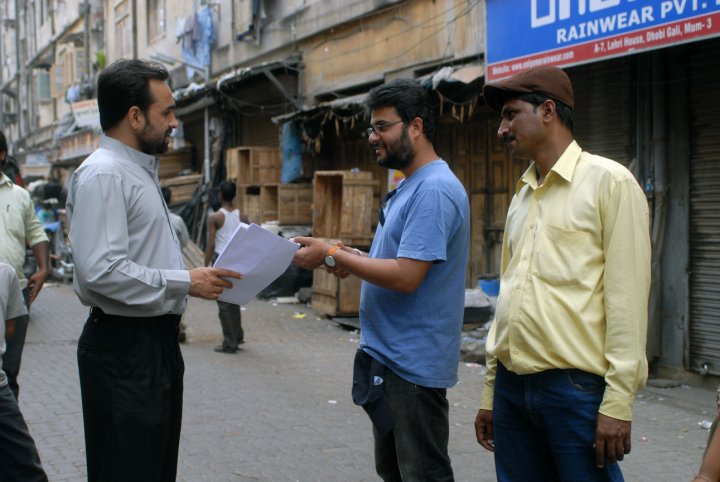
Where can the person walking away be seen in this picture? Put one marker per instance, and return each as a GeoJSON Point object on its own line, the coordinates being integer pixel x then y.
{"type": "Point", "coordinates": [183, 237]}
{"type": "Point", "coordinates": [221, 226]}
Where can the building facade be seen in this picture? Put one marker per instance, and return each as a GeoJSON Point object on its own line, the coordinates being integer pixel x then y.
{"type": "Point", "coordinates": [244, 71]}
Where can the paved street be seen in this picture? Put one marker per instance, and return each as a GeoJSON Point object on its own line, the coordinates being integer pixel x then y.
{"type": "Point", "coordinates": [280, 410]}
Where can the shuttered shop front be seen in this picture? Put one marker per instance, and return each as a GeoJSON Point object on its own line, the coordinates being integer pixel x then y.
{"type": "Point", "coordinates": [603, 116]}
{"type": "Point", "coordinates": [704, 321]}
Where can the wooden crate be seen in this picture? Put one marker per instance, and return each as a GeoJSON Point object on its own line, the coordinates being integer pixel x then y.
{"type": "Point", "coordinates": [248, 202]}
{"type": "Point", "coordinates": [253, 165]}
{"type": "Point", "coordinates": [269, 202]}
{"type": "Point", "coordinates": [232, 163]}
{"type": "Point", "coordinates": [258, 203]}
{"type": "Point", "coordinates": [343, 206]}
{"type": "Point", "coordinates": [193, 256]}
{"type": "Point", "coordinates": [333, 296]}
{"type": "Point", "coordinates": [175, 161]}
{"type": "Point", "coordinates": [182, 187]}
{"type": "Point", "coordinates": [295, 203]}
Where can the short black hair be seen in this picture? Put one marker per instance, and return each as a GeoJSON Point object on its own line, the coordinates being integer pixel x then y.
{"type": "Point", "coordinates": [166, 194]}
{"type": "Point", "coordinates": [227, 191]}
{"type": "Point", "coordinates": [124, 84]}
{"type": "Point", "coordinates": [409, 98]}
{"type": "Point", "coordinates": [564, 112]}
{"type": "Point", "coordinates": [3, 142]}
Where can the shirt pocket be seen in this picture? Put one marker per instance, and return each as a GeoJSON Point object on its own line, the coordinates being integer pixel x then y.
{"type": "Point", "coordinates": [563, 255]}
{"type": "Point", "coordinates": [14, 220]}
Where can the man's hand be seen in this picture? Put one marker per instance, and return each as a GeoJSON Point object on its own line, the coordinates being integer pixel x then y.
{"type": "Point", "coordinates": [612, 439]}
{"type": "Point", "coordinates": [339, 272]}
{"type": "Point", "coordinates": [312, 254]}
{"type": "Point", "coordinates": [35, 284]}
{"type": "Point", "coordinates": [208, 283]}
{"type": "Point", "coordinates": [484, 429]}
{"type": "Point", "coordinates": [9, 329]}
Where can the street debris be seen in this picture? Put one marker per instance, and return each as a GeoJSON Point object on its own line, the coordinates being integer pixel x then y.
{"type": "Point", "coordinates": [298, 315]}
{"type": "Point", "coordinates": [706, 424]}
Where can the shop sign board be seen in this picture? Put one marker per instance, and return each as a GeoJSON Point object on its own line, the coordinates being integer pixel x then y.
{"type": "Point", "coordinates": [528, 33]}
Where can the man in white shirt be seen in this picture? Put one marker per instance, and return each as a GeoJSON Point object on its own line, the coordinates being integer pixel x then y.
{"type": "Point", "coordinates": [20, 459]}
{"type": "Point", "coordinates": [221, 226]}
{"type": "Point", "coordinates": [129, 270]}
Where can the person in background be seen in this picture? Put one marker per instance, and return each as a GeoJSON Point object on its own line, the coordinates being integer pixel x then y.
{"type": "Point", "coordinates": [19, 226]}
{"type": "Point", "coordinates": [46, 214]}
{"type": "Point", "coordinates": [20, 459]}
{"type": "Point", "coordinates": [221, 226]}
{"type": "Point", "coordinates": [183, 237]}
{"type": "Point", "coordinates": [412, 298]}
{"type": "Point", "coordinates": [129, 269]}
{"type": "Point", "coordinates": [566, 350]}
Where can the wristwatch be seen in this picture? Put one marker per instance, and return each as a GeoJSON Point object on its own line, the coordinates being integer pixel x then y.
{"type": "Point", "coordinates": [329, 260]}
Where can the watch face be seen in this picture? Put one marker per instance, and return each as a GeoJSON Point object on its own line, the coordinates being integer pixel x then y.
{"type": "Point", "coordinates": [329, 261]}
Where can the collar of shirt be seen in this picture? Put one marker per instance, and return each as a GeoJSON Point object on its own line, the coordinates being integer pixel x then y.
{"type": "Point", "coordinates": [564, 167]}
{"type": "Point", "coordinates": [4, 179]}
{"type": "Point", "coordinates": [143, 160]}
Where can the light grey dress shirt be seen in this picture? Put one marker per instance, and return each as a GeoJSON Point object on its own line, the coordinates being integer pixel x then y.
{"type": "Point", "coordinates": [127, 256]}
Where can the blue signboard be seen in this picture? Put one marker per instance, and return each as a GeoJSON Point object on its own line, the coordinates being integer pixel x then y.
{"type": "Point", "coordinates": [526, 33]}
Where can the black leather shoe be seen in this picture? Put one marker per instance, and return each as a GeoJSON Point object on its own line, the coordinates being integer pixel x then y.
{"type": "Point", "coordinates": [222, 349]}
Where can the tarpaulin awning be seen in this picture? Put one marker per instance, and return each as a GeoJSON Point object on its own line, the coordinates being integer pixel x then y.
{"type": "Point", "coordinates": [456, 85]}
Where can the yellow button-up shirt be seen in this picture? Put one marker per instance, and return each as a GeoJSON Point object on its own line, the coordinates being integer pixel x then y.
{"type": "Point", "coordinates": [18, 225]}
{"type": "Point", "coordinates": [575, 278]}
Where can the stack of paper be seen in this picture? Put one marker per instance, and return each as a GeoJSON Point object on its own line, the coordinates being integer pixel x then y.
{"type": "Point", "coordinates": [259, 255]}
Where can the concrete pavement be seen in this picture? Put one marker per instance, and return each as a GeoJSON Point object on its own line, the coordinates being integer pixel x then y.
{"type": "Point", "coordinates": [280, 409]}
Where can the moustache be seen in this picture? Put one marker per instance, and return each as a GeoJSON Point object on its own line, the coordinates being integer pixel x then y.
{"type": "Point", "coordinates": [507, 139]}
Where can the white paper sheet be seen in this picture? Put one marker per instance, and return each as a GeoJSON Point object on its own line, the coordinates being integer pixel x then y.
{"type": "Point", "coordinates": [259, 255]}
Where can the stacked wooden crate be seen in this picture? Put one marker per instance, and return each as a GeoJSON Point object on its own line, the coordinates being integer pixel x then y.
{"type": "Point", "coordinates": [173, 169]}
{"type": "Point", "coordinates": [342, 210]}
{"type": "Point", "coordinates": [260, 195]}
{"type": "Point", "coordinates": [182, 187]}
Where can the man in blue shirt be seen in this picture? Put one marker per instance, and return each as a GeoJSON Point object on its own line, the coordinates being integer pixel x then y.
{"type": "Point", "coordinates": [412, 292]}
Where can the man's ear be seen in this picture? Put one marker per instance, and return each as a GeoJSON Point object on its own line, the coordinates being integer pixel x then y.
{"type": "Point", "coordinates": [136, 118]}
{"type": "Point", "coordinates": [548, 109]}
{"type": "Point", "coordinates": [416, 127]}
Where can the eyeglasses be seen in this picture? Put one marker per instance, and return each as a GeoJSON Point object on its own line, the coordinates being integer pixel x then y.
{"type": "Point", "coordinates": [389, 196]}
{"type": "Point", "coordinates": [380, 128]}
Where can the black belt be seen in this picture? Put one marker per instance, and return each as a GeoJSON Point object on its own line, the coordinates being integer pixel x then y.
{"type": "Point", "coordinates": [98, 314]}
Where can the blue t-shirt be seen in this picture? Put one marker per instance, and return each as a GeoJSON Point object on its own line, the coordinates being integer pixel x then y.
{"type": "Point", "coordinates": [417, 335]}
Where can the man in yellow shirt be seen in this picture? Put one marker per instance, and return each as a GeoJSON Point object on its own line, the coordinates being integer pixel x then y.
{"type": "Point", "coordinates": [566, 351]}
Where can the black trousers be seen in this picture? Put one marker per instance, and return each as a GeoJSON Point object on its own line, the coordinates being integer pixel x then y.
{"type": "Point", "coordinates": [14, 348]}
{"type": "Point", "coordinates": [19, 459]}
{"type": "Point", "coordinates": [131, 382]}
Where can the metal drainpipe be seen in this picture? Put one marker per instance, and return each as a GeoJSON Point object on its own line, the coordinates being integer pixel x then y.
{"type": "Point", "coordinates": [18, 71]}
{"type": "Point", "coordinates": [134, 29]}
{"type": "Point", "coordinates": [2, 80]}
{"type": "Point", "coordinates": [86, 8]}
{"type": "Point", "coordinates": [659, 165]}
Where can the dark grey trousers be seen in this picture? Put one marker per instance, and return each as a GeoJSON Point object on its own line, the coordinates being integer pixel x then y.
{"type": "Point", "coordinates": [13, 352]}
{"type": "Point", "coordinates": [19, 459]}
{"type": "Point", "coordinates": [417, 447]}
{"type": "Point", "coordinates": [230, 320]}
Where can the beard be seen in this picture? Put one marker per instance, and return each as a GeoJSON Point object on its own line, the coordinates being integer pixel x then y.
{"type": "Point", "coordinates": [151, 144]}
{"type": "Point", "coordinates": [400, 155]}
